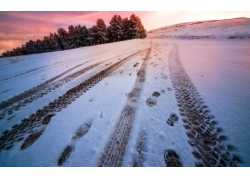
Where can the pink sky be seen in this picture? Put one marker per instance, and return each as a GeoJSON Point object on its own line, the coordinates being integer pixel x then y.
{"type": "Point", "coordinates": [16, 28]}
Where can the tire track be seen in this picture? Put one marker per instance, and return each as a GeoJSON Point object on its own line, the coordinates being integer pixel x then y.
{"type": "Point", "coordinates": [36, 70]}
{"type": "Point", "coordinates": [4, 91]}
{"type": "Point", "coordinates": [40, 119]}
{"type": "Point", "coordinates": [115, 149]}
{"type": "Point", "coordinates": [40, 90]}
{"type": "Point", "coordinates": [209, 145]}
{"type": "Point", "coordinates": [141, 149]}
{"type": "Point", "coordinates": [43, 68]}
{"type": "Point", "coordinates": [35, 89]}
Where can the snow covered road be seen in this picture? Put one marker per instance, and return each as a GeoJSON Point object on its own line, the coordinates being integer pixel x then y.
{"type": "Point", "coordinates": [130, 103]}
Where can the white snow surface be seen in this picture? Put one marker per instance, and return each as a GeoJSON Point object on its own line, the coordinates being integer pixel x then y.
{"type": "Point", "coordinates": [238, 28]}
{"type": "Point", "coordinates": [219, 68]}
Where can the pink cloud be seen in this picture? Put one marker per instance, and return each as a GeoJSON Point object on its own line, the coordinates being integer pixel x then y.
{"type": "Point", "coordinates": [23, 26]}
{"type": "Point", "coordinates": [6, 37]}
{"type": "Point", "coordinates": [32, 28]}
{"type": "Point", "coordinates": [9, 45]}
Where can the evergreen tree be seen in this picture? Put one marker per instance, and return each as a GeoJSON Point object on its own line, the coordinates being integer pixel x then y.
{"type": "Point", "coordinates": [115, 30]}
{"type": "Point", "coordinates": [92, 35]}
{"type": "Point", "coordinates": [136, 29]}
{"type": "Point", "coordinates": [40, 46]}
{"type": "Point", "coordinates": [101, 34]}
{"type": "Point", "coordinates": [63, 38]}
{"type": "Point", "coordinates": [72, 37]}
{"type": "Point", "coordinates": [24, 50]}
{"type": "Point", "coordinates": [54, 41]}
{"type": "Point", "coordinates": [47, 45]}
{"type": "Point", "coordinates": [133, 26]}
{"type": "Point", "coordinates": [84, 35]}
{"type": "Point", "coordinates": [119, 30]}
{"type": "Point", "coordinates": [30, 47]}
{"type": "Point", "coordinates": [79, 34]}
{"type": "Point", "coordinates": [125, 27]}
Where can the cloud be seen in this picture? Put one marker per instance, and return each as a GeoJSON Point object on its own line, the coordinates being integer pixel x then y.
{"type": "Point", "coordinates": [9, 45]}
{"type": "Point", "coordinates": [16, 27]}
{"type": "Point", "coordinates": [22, 26]}
{"type": "Point", "coordinates": [24, 37]}
{"type": "Point", "coordinates": [19, 29]}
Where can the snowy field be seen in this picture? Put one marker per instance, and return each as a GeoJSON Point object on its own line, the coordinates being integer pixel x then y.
{"type": "Point", "coordinates": [173, 99]}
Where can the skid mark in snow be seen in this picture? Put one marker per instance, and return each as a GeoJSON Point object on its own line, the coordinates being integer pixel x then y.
{"type": "Point", "coordinates": [141, 149]}
{"type": "Point", "coordinates": [209, 145]}
{"type": "Point", "coordinates": [172, 159]}
{"type": "Point", "coordinates": [28, 125]}
{"type": "Point", "coordinates": [115, 149]}
{"type": "Point", "coordinates": [80, 132]}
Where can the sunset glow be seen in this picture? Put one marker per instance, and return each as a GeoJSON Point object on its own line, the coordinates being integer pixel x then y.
{"type": "Point", "coordinates": [16, 28]}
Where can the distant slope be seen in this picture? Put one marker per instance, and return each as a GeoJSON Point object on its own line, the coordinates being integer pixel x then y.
{"type": "Point", "coordinates": [214, 29]}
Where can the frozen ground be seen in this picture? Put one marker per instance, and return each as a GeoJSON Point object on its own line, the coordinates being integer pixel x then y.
{"type": "Point", "coordinates": [152, 102]}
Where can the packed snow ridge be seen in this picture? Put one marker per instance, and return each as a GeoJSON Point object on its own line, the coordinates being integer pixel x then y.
{"type": "Point", "coordinates": [178, 98]}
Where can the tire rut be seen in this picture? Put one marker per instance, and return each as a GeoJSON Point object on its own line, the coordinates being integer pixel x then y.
{"type": "Point", "coordinates": [208, 143]}
{"type": "Point", "coordinates": [36, 70]}
{"type": "Point", "coordinates": [33, 122]}
{"type": "Point", "coordinates": [115, 149]}
{"type": "Point", "coordinates": [33, 90]}
{"type": "Point", "coordinates": [39, 69]}
{"type": "Point", "coordinates": [43, 68]}
{"type": "Point", "coordinates": [39, 91]}
{"type": "Point", "coordinates": [141, 149]}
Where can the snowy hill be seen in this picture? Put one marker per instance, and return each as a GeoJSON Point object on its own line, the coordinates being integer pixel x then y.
{"type": "Point", "coordinates": [238, 28]}
{"type": "Point", "coordinates": [160, 101]}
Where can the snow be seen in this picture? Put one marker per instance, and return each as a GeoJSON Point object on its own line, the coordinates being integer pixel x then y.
{"type": "Point", "coordinates": [221, 74]}
{"type": "Point", "coordinates": [219, 69]}
{"type": "Point", "coordinates": [237, 28]}
{"type": "Point", "coordinates": [153, 119]}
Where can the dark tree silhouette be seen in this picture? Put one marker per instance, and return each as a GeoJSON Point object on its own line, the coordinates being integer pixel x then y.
{"type": "Point", "coordinates": [115, 28]}
{"type": "Point", "coordinates": [120, 29]}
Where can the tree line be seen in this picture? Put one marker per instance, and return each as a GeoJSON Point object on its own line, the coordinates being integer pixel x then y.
{"type": "Point", "coordinates": [120, 29]}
